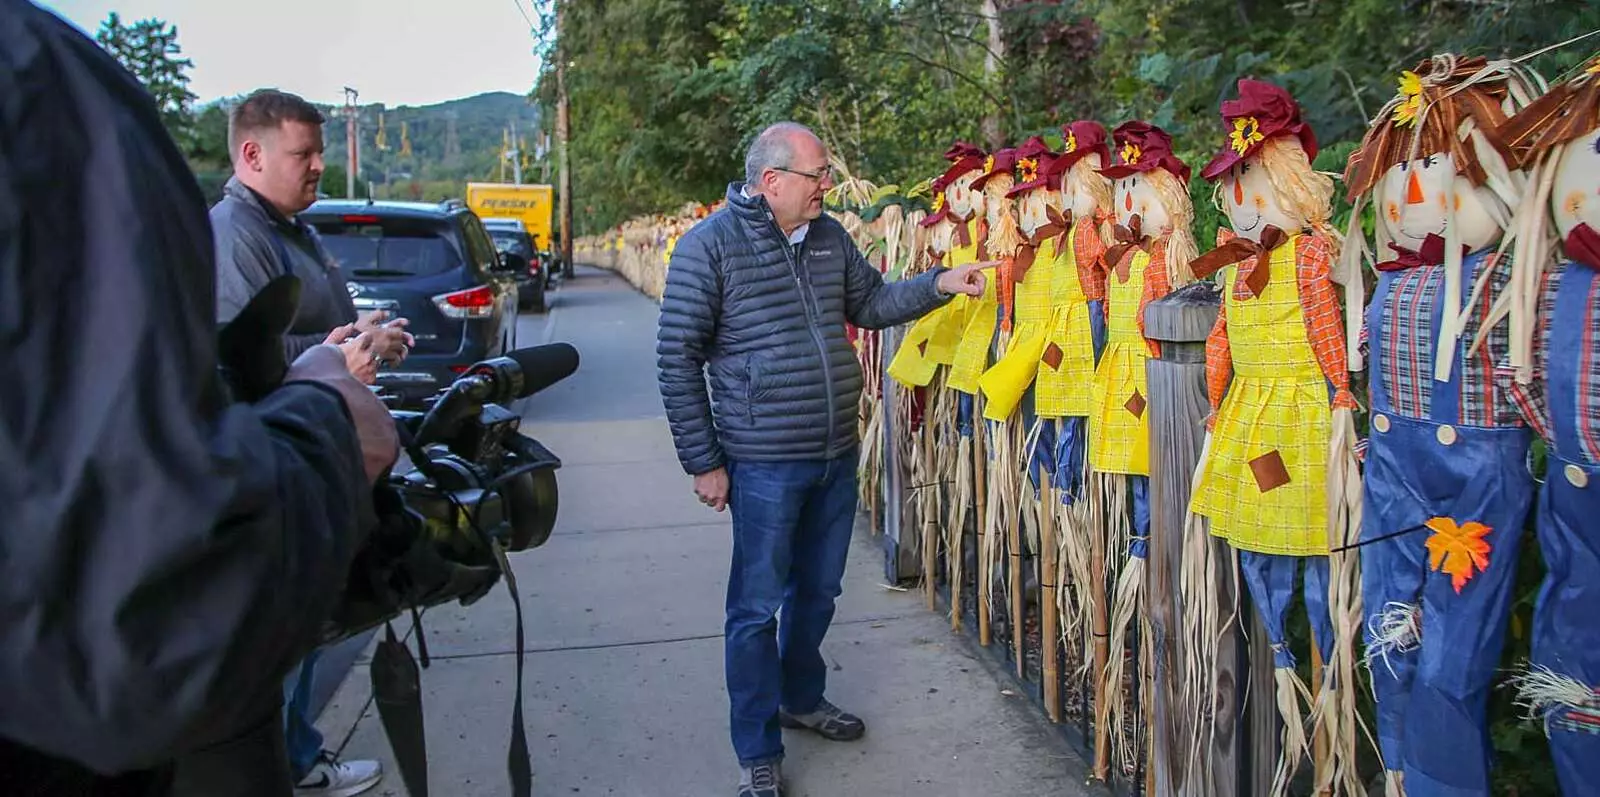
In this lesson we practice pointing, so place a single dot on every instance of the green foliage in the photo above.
(149, 49)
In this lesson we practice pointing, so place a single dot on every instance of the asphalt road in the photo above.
(623, 616)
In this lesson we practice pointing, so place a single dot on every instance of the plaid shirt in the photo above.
(1090, 252)
(1156, 285)
(1408, 300)
(1319, 310)
(1532, 399)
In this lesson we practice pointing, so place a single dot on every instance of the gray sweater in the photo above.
(766, 320)
(255, 245)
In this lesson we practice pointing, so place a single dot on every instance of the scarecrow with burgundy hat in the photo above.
(1447, 486)
(959, 230)
(1154, 245)
(1278, 382)
(1557, 139)
(1079, 198)
(996, 451)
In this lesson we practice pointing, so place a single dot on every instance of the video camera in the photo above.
(477, 486)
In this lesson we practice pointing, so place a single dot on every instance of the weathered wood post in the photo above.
(1178, 407)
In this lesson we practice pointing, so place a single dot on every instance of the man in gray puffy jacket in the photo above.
(757, 296)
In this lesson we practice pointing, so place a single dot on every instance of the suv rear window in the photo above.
(389, 247)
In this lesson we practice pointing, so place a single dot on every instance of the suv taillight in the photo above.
(471, 303)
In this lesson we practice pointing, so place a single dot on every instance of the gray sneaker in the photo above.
(761, 780)
(828, 721)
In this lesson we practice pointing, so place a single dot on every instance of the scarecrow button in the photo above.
(1446, 435)
(1576, 477)
(1380, 422)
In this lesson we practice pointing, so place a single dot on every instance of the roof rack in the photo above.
(453, 204)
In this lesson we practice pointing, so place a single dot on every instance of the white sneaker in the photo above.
(331, 778)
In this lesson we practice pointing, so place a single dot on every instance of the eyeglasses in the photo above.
(825, 172)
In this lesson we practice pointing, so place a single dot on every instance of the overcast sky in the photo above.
(397, 52)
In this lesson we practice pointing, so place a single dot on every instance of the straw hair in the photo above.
(1083, 175)
(1542, 693)
(1181, 247)
(1005, 237)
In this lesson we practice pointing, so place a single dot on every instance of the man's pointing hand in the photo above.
(968, 279)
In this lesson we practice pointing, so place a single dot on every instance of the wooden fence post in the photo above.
(1178, 407)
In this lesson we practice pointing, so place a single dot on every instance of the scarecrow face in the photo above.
(941, 236)
(1251, 203)
(1135, 195)
(964, 200)
(1031, 211)
(1077, 190)
(1419, 197)
(1574, 199)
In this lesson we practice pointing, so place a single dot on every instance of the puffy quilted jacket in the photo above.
(766, 320)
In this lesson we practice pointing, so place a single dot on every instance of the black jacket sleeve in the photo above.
(164, 557)
(871, 303)
(690, 305)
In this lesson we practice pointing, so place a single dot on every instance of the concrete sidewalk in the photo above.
(623, 613)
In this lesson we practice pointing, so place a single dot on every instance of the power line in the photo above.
(524, 13)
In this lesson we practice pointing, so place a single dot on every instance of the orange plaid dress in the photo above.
(1119, 427)
(1264, 482)
(1066, 366)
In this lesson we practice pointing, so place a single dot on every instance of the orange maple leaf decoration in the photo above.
(1457, 549)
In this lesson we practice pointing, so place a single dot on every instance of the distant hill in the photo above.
(436, 162)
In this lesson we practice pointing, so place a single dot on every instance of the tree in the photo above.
(149, 49)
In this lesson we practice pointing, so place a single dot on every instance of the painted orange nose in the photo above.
(1238, 193)
(1414, 190)
(1127, 201)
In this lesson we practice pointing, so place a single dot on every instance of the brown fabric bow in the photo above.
(1583, 246)
(983, 239)
(1127, 238)
(1238, 250)
(963, 232)
(1431, 254)
(1023, 260)
(1056, 227)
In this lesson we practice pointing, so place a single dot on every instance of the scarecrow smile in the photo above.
(1248, 227)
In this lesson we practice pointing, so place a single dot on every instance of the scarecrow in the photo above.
(996, 453)
(1557, 138)
(1153, 249)
(1446, 484)
(961, 239)
(1066, 371)
(1279, 387)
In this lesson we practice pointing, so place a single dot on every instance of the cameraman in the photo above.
(166, 556)
(275, 143)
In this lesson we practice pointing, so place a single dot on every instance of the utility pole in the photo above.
(515, 154)
(352, 142)
(561, 138)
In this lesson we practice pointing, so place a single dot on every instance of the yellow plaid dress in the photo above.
(1063, 387)
(1004, 384)
(932, 340)
(1274, 423)
(1119, 429)
(978, 317)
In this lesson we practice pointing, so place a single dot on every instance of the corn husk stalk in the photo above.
(1050, 642)
(1334, 717)
(927, 501)
(1108, 523)
(960, 505)
(1076, 526)
(1112, 714)
(980, 497)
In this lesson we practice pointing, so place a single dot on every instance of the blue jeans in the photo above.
(791, 536)
(299, 730)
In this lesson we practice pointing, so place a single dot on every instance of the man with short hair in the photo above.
(275, 143)
(758, 295)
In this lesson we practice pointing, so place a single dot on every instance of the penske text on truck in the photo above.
(533, 204)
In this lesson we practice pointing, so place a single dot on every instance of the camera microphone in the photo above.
(524, 372)
(500, 380)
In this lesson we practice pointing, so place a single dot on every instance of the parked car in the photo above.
(433, 264)
(523, 260)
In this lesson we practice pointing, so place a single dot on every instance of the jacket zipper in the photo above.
(804, 287)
